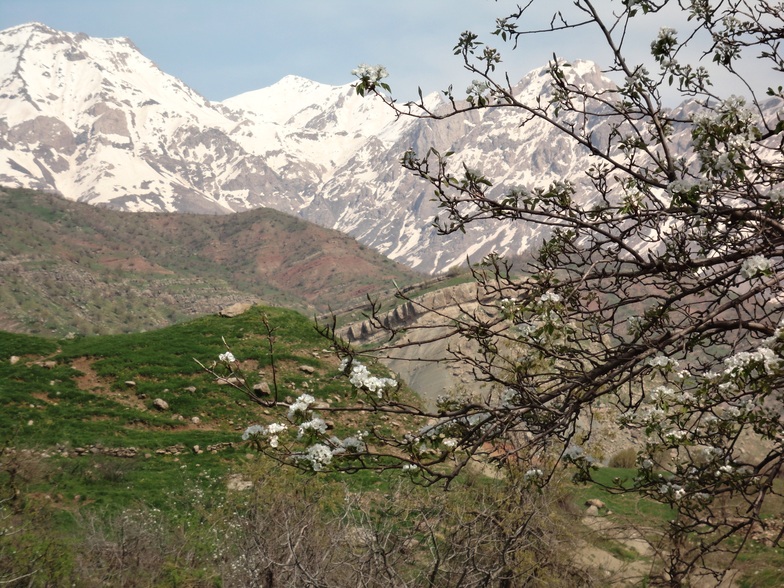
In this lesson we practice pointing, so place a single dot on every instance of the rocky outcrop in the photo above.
(424, 362)
(404, 315)
(46, 131)
(236, 309)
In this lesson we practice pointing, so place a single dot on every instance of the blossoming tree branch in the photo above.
(658, 291)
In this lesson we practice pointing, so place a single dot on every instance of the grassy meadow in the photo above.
(98, 487)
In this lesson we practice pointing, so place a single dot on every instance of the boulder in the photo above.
(235, 309)
(160, 404)
(238, 482)
(262, 389)
(592, 511)
(230, 381)
(595, 502)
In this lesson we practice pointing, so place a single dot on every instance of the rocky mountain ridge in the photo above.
(96, 121)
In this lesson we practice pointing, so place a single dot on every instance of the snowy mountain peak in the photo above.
(282, 100)
(578, 72)
(66, 74)
(27, 28)
(36, 33)
(96, 121)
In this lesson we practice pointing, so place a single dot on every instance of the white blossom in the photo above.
(449, 442)
(370, 73)
(478, 87)
(677, 435)
(253, 431)
(270, 431)
(667, 34)
(754, 265)
(228, 357)
(674, 490)
(276, 428)
(316, 425)
(550, 297)
(770, 361)
(725, 469)
(663, 394)
(662, 361)
(353, 444)
(533, 474)
(301, 406)
(319, 456)
(361, 377)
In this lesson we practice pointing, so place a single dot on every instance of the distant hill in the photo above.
(71, 267)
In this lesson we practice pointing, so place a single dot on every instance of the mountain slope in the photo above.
(97, 122)
(72, 267)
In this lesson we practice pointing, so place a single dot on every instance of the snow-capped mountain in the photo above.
(96, 121)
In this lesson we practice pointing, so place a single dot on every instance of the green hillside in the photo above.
(71, 267)
(98, 487)
(83, 448)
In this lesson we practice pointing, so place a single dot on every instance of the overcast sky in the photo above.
(224, 48)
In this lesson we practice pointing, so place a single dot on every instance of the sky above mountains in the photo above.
(222, 49)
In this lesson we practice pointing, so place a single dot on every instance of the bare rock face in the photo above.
(44, 130)
(110, 121)
(432, 378)
(408, 313)
(238, 483)
(230, 381)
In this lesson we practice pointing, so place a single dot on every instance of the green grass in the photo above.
(761, 566)
(45, 406)
(14, 344)
(51, 409)
(112, 484)
(622, 504)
